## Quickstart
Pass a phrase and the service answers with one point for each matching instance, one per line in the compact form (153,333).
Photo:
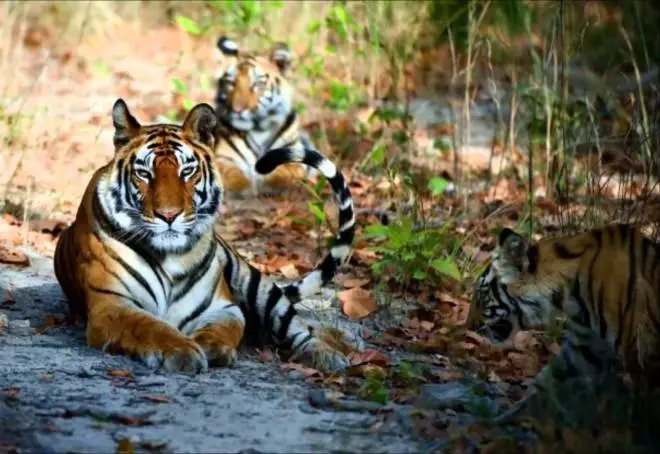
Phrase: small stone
(444,396)
(19,327)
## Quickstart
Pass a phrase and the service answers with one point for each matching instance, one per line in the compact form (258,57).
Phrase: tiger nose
(168,215)
(238,108)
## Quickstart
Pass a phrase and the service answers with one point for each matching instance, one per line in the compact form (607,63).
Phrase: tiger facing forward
(254,103)
(143,266)
(607,284)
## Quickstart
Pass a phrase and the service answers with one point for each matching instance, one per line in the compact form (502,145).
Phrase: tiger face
(253,93)
(497,313)
(161,187)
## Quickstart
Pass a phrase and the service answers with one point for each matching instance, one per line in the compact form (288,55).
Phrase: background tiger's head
(253,92)
(161,189)
(494,312)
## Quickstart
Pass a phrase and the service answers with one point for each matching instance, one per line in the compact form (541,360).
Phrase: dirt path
(57,395)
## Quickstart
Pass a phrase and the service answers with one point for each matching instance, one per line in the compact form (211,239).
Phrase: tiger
(605,282)
(255,106)
(144,269)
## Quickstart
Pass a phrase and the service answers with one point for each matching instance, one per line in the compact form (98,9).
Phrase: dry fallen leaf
(158,399)
(369,357)
(365,371)
(290,271)
(435,343)
(306,372)
(554,348)
(130,420)
(357,303)
(528,365)
(354,282)
(276,263)
(479,339)
(366,256)
(524,341)
(426,325)
(119,373)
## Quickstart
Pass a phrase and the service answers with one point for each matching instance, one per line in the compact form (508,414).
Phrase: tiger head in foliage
(253,91)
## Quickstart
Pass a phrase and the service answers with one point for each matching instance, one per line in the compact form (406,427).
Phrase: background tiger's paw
(330,361)
(188,357)
(222,357)
(321,356)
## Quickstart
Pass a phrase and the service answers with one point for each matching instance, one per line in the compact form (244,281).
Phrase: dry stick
(592,121)
(530,182)
(549,99)
(498,110)
(452,93)
(473,28)
(465,142)
(509,142)
(512,115)
(564,92)
(638,78)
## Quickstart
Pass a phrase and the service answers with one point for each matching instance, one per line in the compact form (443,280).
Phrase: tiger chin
(606,282)
(255,107)
(142,266)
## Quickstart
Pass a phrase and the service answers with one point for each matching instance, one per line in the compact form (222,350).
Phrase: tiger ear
(280,54)
(126,126)
(513,248)
(201,123)
(227,46)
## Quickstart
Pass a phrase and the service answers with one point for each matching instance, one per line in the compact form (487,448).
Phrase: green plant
(343,96)
(374,387)
(409,374)
(409,254)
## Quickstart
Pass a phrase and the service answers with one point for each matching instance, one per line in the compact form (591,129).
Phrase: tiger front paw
(221,357)
(220,340)
(184,355)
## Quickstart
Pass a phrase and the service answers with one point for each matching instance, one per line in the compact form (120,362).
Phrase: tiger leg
(287,330)
(234,180)
(114,326)
(582,359)
(284,177)
(220,338)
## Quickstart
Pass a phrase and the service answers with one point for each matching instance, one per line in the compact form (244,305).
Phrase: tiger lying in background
(142,265)
(254,103)
(606,282)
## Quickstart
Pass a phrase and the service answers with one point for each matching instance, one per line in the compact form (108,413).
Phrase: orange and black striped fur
(142,265)
(255,106)
(607,284)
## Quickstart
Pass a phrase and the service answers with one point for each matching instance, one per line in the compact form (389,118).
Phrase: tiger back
(143,267)
(255,105)
(605,281)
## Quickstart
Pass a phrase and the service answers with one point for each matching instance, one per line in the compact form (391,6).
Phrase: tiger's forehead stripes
(163,143)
